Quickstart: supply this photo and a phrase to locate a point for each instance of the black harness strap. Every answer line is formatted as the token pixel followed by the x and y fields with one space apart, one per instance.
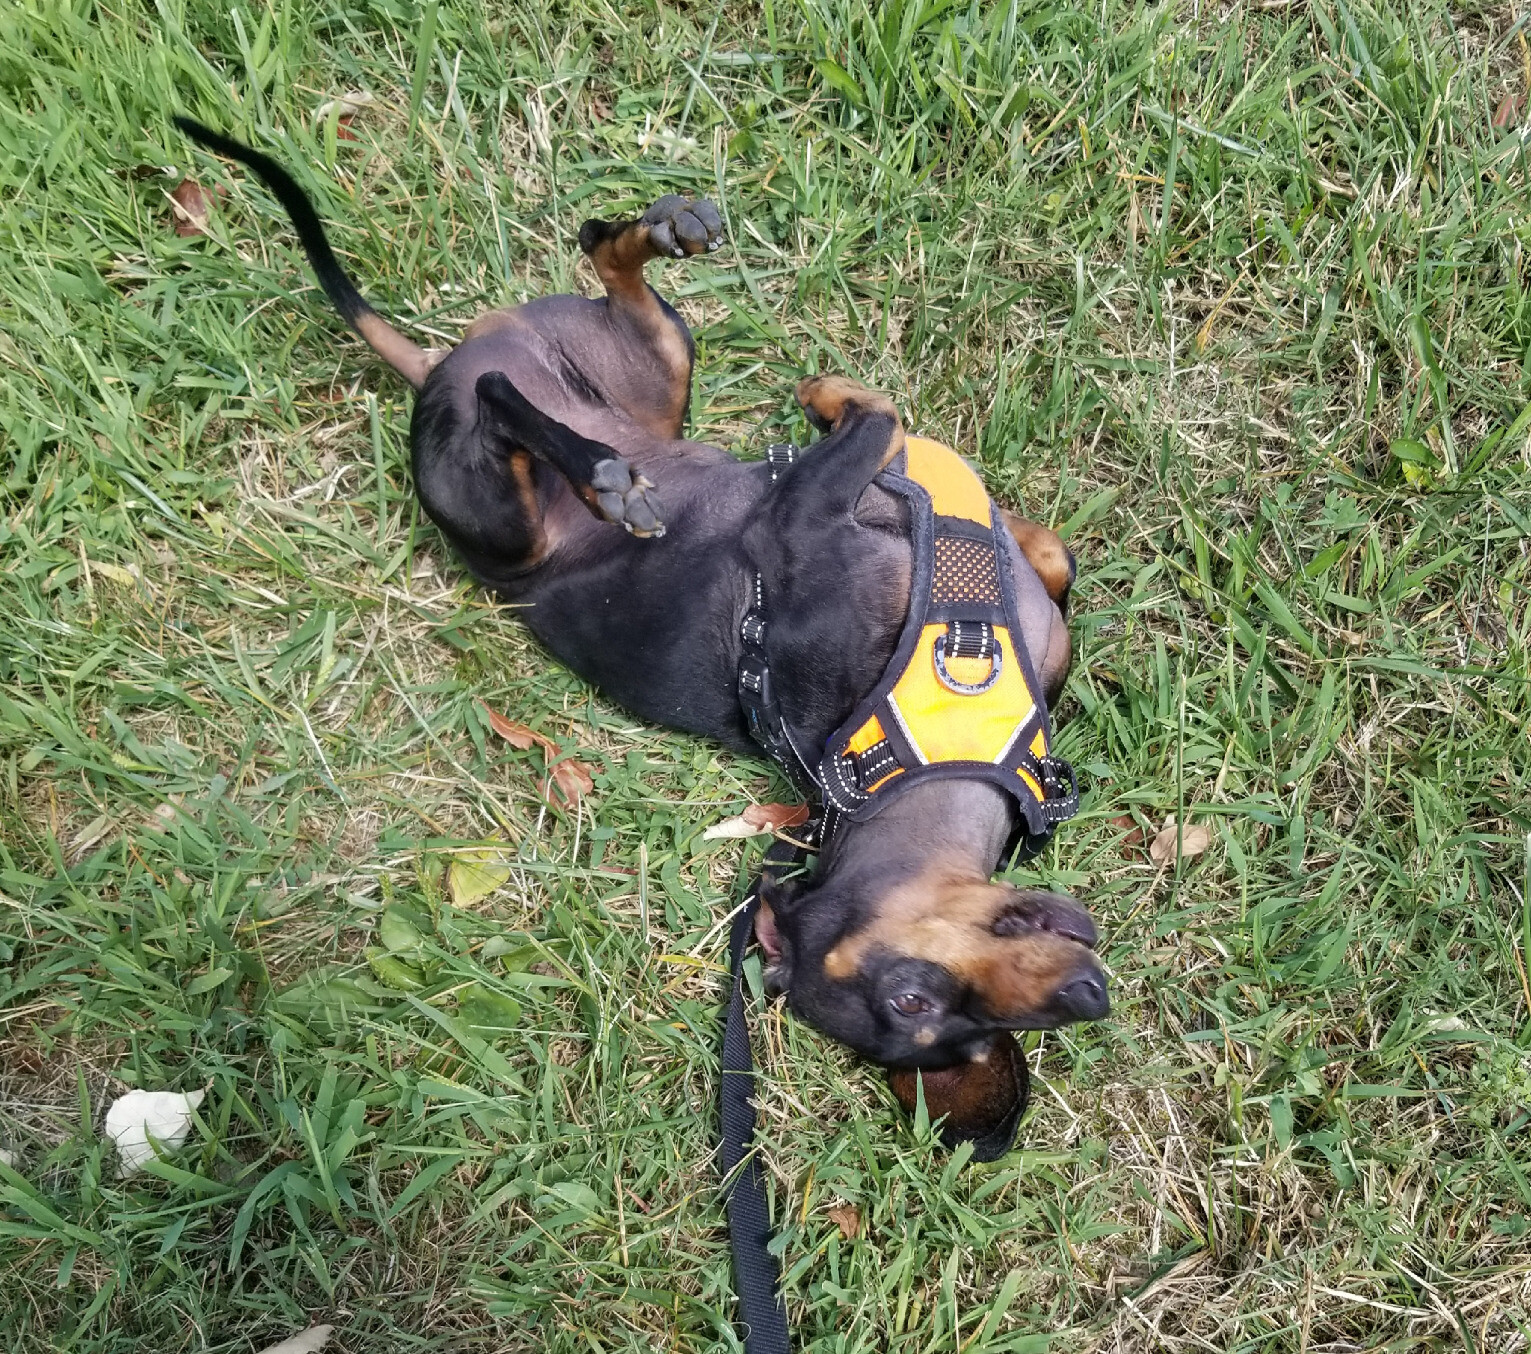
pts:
pixel 756 1271
pixel 757 695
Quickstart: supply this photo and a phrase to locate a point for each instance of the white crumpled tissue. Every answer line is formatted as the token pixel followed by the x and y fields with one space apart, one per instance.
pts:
pixel 138 1116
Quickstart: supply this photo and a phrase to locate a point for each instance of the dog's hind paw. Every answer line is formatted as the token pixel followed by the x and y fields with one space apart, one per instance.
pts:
pixel 623 496
pixel 679 226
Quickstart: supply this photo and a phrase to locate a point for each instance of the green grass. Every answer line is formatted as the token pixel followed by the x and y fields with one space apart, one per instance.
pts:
pixel 1280 412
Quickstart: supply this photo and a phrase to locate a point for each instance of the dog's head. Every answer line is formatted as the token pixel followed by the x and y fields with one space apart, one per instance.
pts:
pixel 931 973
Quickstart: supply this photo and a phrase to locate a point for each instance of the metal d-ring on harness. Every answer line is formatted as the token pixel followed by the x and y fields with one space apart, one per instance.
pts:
pixel 985 648
pixel 923 720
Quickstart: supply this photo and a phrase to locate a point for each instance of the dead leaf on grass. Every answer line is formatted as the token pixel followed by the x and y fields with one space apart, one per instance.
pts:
pixel 1127 824
pixel 129 577
pixel 847 1217
pixel 1193 839
pixel 349 104
pixel 190 204
pixel 1510 109
pixel 473 875
pixel 517 735
pixel 309 1341
pixel 759 818
pixel 572 780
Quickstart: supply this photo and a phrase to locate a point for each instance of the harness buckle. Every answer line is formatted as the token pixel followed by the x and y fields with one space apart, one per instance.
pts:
pixel 757 695
pixel 996 660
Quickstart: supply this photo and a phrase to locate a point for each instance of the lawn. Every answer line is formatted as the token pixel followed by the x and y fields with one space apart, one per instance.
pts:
pixel 1235 296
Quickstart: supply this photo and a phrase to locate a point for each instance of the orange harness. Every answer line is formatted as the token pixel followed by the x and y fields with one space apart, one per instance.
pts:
pixel 960 697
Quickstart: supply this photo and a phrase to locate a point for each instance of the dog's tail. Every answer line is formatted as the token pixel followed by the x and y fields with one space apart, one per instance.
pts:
pixel 411 361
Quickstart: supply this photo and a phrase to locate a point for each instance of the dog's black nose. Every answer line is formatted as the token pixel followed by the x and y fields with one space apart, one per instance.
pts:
pixel 1083 997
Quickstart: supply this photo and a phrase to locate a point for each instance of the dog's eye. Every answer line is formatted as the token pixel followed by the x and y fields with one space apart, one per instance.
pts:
pixel 910 1004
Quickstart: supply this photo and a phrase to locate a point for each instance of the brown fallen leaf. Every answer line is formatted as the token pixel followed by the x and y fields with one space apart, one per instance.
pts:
pixel 190 204
pixel 847 1217
pixel 1510 109
pixel 774 817
pixel 573 781
pixel 1193 839
pixel 759 818
pixel 518 735
pixel 1126 823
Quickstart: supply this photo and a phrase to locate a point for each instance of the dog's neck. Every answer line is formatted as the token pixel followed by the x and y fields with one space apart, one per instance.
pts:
pixel 966 822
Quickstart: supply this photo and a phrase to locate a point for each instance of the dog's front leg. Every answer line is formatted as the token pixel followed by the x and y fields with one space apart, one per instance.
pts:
pixel 609 485
pixel 863 433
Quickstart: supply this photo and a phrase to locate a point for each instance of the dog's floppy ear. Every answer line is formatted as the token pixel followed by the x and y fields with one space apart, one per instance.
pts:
pixel 982 1102
pixel 776 899
pixel 780 895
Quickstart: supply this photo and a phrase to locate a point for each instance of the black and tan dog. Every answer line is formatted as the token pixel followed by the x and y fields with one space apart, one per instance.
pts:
pixel 557 423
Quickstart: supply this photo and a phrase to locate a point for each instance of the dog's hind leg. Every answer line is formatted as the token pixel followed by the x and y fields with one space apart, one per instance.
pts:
pixel 487 478
pixel 485 492
pixel 649 328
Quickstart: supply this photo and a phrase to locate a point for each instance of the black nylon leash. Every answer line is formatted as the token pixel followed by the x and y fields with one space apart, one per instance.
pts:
pixel 762 1312
pixel 756 1271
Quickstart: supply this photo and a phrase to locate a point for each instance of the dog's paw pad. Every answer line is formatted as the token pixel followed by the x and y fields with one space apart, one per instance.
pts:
pixel 679 226
pixel 612 476
pixel 641 513
pixel 626 498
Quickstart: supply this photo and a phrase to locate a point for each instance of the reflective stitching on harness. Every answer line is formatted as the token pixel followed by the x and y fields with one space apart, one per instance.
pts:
pixel 903 728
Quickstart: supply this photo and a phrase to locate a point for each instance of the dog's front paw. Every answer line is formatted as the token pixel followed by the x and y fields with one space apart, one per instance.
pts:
pixel 623 496
pixel 679 226
pixel 824 399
